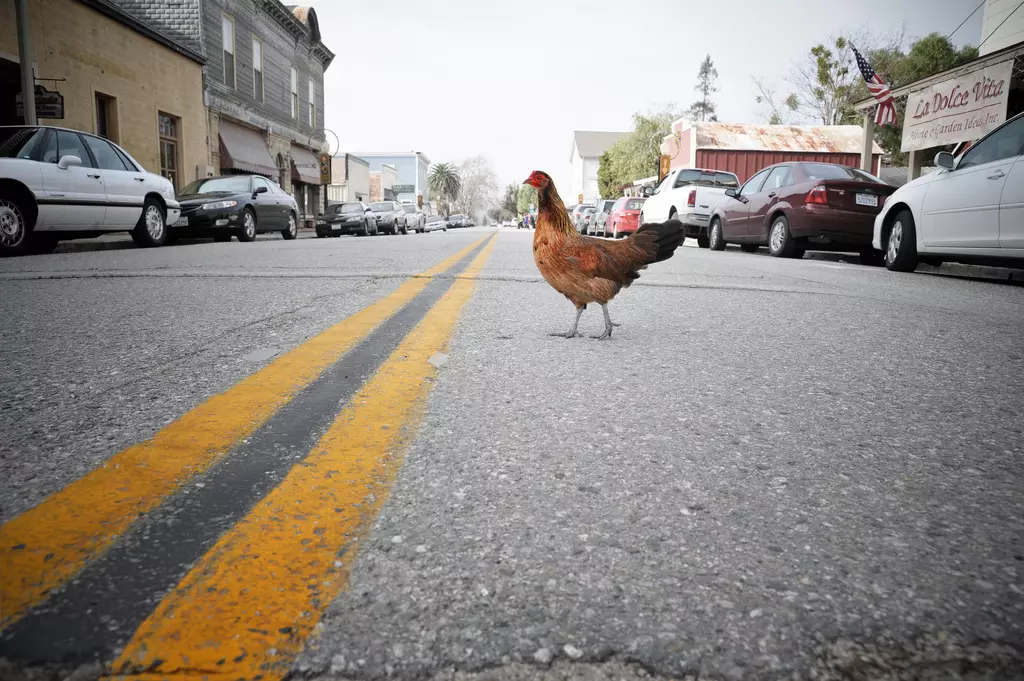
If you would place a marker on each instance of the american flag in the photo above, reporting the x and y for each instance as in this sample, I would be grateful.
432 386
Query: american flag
886 112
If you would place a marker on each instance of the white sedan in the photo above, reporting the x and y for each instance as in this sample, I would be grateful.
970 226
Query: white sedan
57 183
971 210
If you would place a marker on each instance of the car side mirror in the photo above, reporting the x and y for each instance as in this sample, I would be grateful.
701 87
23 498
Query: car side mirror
648 191
259 190
732 193
944 159
67 161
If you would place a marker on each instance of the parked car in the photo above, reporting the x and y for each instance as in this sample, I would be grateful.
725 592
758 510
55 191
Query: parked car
971 210
586 217
235 205
688 195
599 224
352 217
576 212
624 218
390 217
57 183
415 219
435 223
796 207
458 220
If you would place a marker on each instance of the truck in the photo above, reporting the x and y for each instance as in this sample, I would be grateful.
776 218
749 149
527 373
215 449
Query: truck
688 195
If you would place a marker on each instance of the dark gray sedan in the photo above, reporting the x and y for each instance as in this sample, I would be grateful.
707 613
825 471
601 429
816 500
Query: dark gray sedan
353 217
391 218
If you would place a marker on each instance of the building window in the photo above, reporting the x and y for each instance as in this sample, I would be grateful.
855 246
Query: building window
169 147
106 116
257 69
228 36
295 93
312 104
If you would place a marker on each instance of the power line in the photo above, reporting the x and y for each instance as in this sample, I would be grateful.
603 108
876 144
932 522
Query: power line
980 5
1000 24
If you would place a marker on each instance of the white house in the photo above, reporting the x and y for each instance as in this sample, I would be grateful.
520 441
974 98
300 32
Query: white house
1001 26
587 147
350 179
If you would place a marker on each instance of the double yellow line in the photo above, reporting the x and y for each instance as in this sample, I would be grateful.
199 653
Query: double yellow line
246 608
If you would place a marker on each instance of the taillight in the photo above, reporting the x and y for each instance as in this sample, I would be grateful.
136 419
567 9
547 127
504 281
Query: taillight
817 195
692 200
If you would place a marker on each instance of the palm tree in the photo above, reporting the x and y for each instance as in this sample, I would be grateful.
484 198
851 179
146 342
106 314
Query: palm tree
445 181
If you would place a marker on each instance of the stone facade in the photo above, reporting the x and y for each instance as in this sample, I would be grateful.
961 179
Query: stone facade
86 46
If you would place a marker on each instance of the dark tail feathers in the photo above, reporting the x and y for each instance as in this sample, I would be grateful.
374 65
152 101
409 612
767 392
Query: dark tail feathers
660 240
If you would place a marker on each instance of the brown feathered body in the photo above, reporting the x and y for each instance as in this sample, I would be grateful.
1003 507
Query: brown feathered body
589 270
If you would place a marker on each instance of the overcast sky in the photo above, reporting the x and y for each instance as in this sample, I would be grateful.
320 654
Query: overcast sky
511 81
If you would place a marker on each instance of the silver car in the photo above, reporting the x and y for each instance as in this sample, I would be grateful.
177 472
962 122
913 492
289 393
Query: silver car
598 224
61 183
391 218
416 220
435 223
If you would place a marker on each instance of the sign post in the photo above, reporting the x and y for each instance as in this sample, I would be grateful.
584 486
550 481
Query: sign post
324 162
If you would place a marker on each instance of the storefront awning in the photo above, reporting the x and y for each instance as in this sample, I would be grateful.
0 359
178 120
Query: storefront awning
244 149
304 166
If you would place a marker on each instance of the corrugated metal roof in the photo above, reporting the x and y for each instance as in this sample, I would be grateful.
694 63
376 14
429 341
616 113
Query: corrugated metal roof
823 139
593 143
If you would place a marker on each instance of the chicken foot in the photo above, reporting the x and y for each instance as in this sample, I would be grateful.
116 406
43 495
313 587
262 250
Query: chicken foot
608 324
573 333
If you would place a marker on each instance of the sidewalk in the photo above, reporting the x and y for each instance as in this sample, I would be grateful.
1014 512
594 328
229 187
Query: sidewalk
121 240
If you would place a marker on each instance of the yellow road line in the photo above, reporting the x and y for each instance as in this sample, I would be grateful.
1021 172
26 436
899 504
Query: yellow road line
245 610
47 545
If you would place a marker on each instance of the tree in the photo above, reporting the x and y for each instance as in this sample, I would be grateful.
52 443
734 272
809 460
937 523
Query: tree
527 197
511 198
635 155
606 176
704 108
479 186
445 183
776 109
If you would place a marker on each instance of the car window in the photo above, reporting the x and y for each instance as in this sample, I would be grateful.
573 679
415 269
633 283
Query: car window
106 157
1006 142
258 182
753 185
779 177
686 177
22 142
634 204
727 180
228 184
126 159
70 144
618 204
707 179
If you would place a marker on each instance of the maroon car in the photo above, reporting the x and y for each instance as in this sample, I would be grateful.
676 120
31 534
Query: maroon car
795 207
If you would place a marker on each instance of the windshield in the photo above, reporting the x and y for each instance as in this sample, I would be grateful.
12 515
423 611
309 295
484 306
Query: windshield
381 207
409 208
825 171
434 218
234 184
348 208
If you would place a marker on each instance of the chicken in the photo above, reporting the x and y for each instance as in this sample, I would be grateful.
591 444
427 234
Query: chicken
589 270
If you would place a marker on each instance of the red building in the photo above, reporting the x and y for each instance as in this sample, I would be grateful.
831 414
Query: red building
744 149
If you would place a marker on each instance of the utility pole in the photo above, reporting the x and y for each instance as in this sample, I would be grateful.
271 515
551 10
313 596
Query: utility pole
28 83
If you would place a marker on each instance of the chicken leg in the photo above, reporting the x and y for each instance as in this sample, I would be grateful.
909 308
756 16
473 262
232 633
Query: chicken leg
608 323
573 333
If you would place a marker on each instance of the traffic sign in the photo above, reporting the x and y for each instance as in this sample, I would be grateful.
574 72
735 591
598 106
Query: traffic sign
325 168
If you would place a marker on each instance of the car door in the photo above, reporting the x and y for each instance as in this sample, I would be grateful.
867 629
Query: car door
657 204
763 201
268 217
1011 208
961 206
125 193
74 195
736 212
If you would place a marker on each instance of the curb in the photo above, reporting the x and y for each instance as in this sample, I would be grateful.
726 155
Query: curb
119 243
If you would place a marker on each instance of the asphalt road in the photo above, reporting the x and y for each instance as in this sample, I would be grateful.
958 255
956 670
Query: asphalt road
340 459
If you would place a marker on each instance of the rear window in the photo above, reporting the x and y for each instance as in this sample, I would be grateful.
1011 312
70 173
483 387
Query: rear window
727 180
20 142
634 204
826 171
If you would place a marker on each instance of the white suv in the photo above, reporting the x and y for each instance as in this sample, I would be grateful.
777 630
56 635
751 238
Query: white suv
57 183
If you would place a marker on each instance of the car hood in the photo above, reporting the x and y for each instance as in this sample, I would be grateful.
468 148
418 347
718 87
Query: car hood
334 217
923 180
197 199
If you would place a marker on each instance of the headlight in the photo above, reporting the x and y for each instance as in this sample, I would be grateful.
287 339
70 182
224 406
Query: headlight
321 222
217 205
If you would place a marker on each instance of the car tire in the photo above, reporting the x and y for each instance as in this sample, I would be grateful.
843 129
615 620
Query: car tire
224 238
749 248
16 223
151 230
292 230
247 233
715 240
871 258
901 246
780 241
703 240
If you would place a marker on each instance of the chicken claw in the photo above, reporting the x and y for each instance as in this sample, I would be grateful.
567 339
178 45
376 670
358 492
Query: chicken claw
608 324
572 332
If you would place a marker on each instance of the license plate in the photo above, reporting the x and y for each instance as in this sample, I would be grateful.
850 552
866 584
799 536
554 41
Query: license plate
336 227
867 200
182 222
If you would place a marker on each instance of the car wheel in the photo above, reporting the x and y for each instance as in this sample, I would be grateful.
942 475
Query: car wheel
248 231
14 225
615 230
715 240
223 238
151 229
703 240
749 248
780 241
292 230
901 251
871 257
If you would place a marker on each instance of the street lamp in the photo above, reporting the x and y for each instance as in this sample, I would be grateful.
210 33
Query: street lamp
337 148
